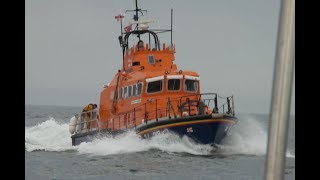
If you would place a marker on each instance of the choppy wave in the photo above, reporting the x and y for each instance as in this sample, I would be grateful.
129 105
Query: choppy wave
130 142
249 137
49 136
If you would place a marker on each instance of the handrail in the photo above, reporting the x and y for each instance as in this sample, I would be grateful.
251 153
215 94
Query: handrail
142 112
149 114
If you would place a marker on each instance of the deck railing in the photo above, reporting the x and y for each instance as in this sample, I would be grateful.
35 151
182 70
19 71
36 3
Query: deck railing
190 105
88 121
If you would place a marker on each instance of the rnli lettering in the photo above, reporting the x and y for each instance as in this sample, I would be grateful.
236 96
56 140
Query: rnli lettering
189 130
136 101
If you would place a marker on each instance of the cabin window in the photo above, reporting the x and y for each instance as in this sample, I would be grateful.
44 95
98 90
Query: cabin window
173 84
191 85
137 63
154 86
134 90
139 88
125 92
130 91
151 59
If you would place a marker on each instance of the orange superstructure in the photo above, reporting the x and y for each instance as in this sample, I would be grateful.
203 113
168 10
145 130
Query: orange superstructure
150 94
148 76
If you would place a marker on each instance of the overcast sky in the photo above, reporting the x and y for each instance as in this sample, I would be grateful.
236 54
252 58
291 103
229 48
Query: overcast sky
72 48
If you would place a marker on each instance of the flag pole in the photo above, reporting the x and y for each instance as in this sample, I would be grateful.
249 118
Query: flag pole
121 26
171 26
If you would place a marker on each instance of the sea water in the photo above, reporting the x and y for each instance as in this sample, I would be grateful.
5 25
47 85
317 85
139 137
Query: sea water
50 155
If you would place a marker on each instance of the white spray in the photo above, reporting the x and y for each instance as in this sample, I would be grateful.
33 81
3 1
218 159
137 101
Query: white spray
248 137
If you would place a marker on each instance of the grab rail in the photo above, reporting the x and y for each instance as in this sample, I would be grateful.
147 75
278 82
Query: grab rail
145 111
193 104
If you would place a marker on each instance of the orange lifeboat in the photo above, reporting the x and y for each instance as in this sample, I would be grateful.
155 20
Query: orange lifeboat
150 95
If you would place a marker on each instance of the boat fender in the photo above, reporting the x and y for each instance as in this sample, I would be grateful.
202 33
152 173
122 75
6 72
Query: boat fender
78 124
72 125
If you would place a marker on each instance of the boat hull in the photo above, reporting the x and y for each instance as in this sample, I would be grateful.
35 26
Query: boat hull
203 129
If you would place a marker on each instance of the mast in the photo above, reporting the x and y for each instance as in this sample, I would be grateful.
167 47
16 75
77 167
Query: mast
171 26
136 18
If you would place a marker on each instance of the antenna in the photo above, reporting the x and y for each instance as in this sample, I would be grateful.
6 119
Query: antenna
136 15
171 25
136 18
